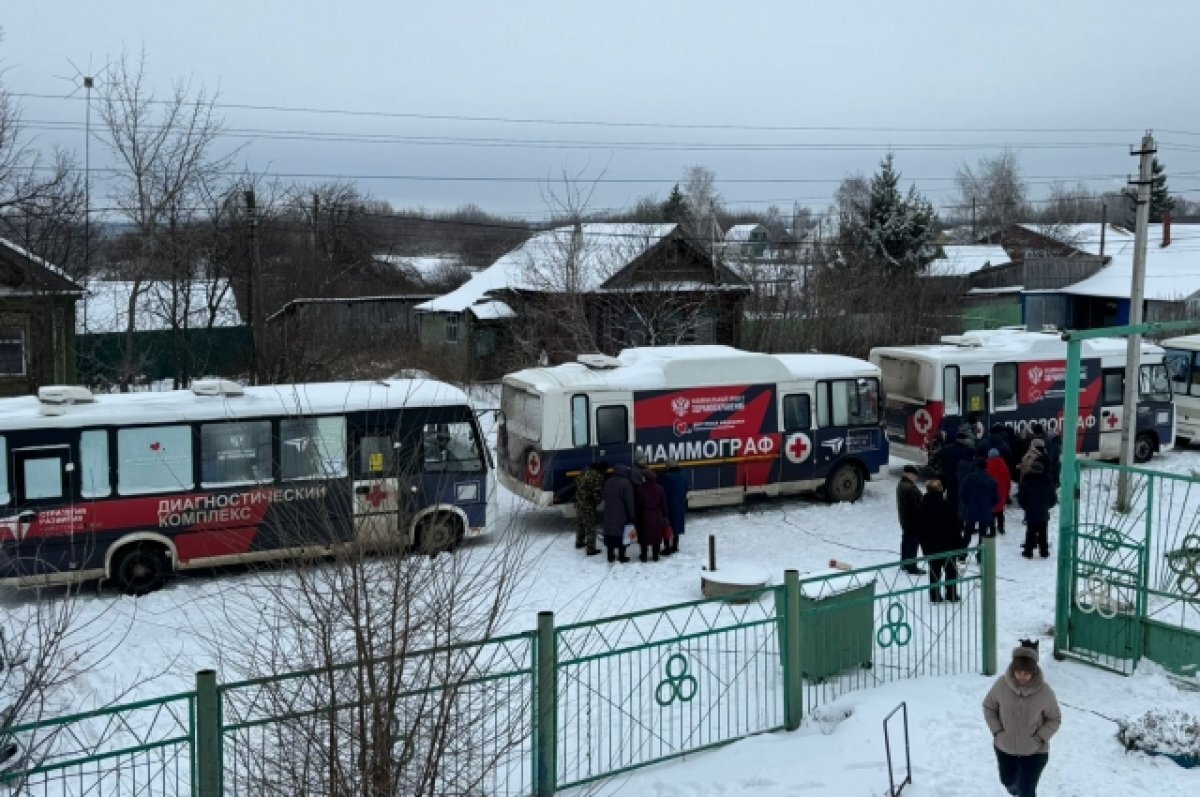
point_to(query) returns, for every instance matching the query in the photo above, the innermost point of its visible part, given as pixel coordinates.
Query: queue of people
(633, 505)
(971, 485)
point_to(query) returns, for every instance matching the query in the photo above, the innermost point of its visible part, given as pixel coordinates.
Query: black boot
(935, 595)
(612, 553)
(579, 543)
(952, 594)
(624, 558)
(666, 547)
(654, 553)
(643, 554)
(592, 550)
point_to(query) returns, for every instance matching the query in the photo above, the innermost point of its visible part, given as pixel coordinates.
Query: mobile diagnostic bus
(738, 423)
(1183, 367)
(132, 486)
(1018, 378)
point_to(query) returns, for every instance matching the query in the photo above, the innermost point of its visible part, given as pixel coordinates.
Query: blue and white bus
(738, 423)
(132, 486)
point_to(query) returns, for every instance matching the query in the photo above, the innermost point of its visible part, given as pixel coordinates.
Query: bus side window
(950, 390)
(312, 448)
(5, 496)
(797, 412)
(1195, 388)
(95, 481)
(579, 420)
(154, 459)
(1114, 387)
(1004, 386)
(612, 425)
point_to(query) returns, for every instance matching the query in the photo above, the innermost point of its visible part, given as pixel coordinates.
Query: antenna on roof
(599, 361)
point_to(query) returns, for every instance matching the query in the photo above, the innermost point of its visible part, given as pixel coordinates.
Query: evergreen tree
(675, 208)
(1161, 200)
(887, 228)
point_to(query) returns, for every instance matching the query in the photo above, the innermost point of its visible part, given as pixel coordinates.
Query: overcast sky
(1069, 84)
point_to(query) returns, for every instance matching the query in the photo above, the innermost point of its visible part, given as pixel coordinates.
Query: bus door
(798, 460)
(383, 495)
(41, 477)
(975, 398)
(612, 430)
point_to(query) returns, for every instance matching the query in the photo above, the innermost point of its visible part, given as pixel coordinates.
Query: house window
(12, 352)
(452, 329)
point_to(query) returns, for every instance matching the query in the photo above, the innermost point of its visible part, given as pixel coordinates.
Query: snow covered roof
(491, 310)
(106, 306)
(959, 261)
(654, 367)
(1000, 345)
(597, 251)
(1085, 237)
(1172, 273)
(292, 305)
(741, 233)
(46, 264)
(315, 398)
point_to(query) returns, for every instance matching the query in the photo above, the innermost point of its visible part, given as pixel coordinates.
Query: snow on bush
(1168, 732)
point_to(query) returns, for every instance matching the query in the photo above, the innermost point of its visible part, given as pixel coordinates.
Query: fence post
(989, 606)
(545, 725)
(207, 740)
(793, 679)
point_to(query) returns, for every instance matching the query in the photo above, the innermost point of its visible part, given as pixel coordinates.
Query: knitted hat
(1025, 659)
(1038, 443)
(912, 469)
(993, 452)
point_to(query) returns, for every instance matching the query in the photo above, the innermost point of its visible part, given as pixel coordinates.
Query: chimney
(1166, 229)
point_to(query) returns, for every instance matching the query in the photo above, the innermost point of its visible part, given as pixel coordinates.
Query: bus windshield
(1179, 368)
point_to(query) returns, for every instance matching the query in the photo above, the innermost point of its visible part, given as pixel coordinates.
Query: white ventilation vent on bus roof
(599, 361)
(65, 394)
(217, 387)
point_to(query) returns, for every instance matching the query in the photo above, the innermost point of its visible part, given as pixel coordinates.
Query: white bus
(132, 486)
(1183, 365)
(1018, 378)
(738, 423)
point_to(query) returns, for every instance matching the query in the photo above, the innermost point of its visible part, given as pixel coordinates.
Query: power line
(625, 124)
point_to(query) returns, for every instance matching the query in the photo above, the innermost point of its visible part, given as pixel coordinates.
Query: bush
(1167, 732)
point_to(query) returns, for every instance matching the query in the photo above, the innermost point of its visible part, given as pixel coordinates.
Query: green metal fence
(1133, 570)
(870, 626)
(141, 749)
(533, 712)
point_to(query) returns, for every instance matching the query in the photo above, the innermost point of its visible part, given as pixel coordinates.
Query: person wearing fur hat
(1022, 713)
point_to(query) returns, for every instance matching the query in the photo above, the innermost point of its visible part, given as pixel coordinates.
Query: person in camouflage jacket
(589, 489)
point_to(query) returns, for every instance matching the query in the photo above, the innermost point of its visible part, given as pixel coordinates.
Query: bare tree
(994, 189)
(701, 199)
(166, 149)
(401, 688)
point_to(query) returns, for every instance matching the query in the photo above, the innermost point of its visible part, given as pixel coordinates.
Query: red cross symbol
(1112, 420)
(377, 496)
(798, 448)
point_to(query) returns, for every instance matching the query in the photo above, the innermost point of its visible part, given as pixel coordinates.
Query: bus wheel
(844, 484)
(438, 533)
(140, 569)
(1143, 447)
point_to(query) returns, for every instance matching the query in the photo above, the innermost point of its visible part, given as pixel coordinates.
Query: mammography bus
(132, 486)
(1183, 367)
(1017, 378)
(738, 423)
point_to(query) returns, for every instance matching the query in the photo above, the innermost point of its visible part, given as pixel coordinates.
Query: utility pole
(974, 229)
(251, 292)
(1137, 290)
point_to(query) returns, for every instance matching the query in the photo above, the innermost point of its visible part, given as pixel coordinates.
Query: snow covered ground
(153, 645)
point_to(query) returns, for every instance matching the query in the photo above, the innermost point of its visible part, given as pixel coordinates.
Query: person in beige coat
(1022, 714)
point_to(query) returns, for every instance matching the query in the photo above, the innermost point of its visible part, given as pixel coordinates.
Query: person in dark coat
(962, 452)
(1036, 496)
(977, 494)
(589, 491)
(908, 508)
(994, 439)
(940, 534)
(674, 484)
(620, 509)
(651, 515)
